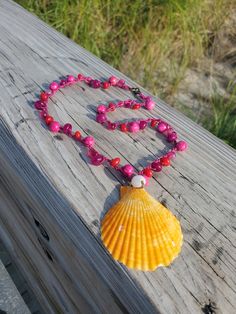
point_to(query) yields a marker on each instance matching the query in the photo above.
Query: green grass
(222, 121)
(152, 41)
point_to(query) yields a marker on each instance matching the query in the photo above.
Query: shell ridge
(111, 226)
(122, 234)
(127, 244)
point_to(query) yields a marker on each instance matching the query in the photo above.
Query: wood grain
(52, 199)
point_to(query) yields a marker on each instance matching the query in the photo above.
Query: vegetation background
(182, 50)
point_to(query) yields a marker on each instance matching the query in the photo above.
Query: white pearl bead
(138, 181)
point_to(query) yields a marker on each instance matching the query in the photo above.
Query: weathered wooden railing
(52, 199)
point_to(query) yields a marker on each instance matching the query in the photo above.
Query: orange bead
(165, 161)
(148, 172)
(115, 162)
(136, 106)
(153, 123)
(77, 135)
(48, 119)
(123, 127)
(44, 96)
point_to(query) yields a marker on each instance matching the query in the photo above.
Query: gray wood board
(199, 187)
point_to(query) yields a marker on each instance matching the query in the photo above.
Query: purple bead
(181, 146)
(161, 127)
(156, 166)
(40, 105)
(95, 84)
(112, 126)
(101, 118)
(97, 160)
(62, 83)
(128, 170)
(142, 125)
(172, 137)
(67, 128)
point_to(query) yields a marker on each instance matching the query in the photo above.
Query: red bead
(148, 172)
(48, 119)
(153, 123)
(44, 96)
(77, 135)
(115, 162)
(105, 85)
(123, 127)
(165, 161)
(111, 106)
(136, 106)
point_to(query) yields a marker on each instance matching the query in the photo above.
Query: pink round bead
(101, 118)
(113, 80)
(149, 104)
(89, 141)
(162, 127)
(156, 166)
(101, 109)
(172, 137)
(128, 170)
(134, 127)
(171, 155)
(181, 146)
(70, 78)
(54, 126)
(54, 86)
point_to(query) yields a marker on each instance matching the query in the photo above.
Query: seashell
(140, 232)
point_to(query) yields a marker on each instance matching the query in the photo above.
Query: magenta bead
(113, 80)
(70, 78)
(54, 126)
(54, 86)
(162, 127)
(80, 77)
(95, 83)
(67, 128)
(142, 125)
(62, 83)
(128, 170)
(134, 127)
(101, 118)
(181, 146)
(101, 109)
(171, 155)
(89, 141)
(149, 104)
(156, 166)
(40, 105)
(172, 137)
(97, 160)
(112, 126)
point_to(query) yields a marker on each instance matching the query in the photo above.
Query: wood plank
(49, 180)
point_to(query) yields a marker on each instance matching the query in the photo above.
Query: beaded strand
(134, 126)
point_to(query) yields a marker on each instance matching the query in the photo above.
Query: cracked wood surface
(52, 199)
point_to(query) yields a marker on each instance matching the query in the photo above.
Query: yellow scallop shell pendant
(140, 232)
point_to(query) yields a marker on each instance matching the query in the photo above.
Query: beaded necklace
(138, 231)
